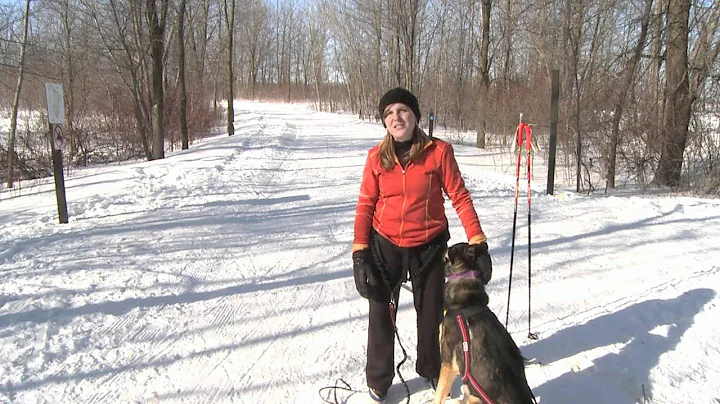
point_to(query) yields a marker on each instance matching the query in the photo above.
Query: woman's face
(400, 121)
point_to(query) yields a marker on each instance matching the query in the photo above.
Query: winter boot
(376, 396)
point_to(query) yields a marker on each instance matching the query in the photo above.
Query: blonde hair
(387, 148)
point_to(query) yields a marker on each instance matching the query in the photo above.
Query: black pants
(428, 280)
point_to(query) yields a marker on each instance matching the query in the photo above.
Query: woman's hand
(361, 270)
(479, 255)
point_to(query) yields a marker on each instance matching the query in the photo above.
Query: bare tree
(409, 19)
(119, 27)
(508, 33)
(66, 17)
(625, 87)
(318, 42)
(483, 72)
(181, 74)
(476, 63)
(684, 81)
(255, 31)
(229, 13)
(656, 60)
(705, 50)
(200, 33)
(678, 99)
(284, 32)
(157, 19)
(16, 99)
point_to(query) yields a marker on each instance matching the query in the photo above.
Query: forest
(639, 80)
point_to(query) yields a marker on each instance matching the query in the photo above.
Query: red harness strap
(467, 377)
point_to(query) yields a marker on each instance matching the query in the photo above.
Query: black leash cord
(335, 388)
(392, 308)
(427, 259)
(393, 311)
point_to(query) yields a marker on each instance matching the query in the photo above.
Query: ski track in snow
(222, 274)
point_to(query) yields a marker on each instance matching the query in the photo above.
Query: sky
(222, 274)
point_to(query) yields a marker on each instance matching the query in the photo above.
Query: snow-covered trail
(222, 274)
(217, 287)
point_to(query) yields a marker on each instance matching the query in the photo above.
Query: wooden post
(56, 118)
(57, 142)
(554, 107)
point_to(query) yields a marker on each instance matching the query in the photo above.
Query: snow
(222, 274)
(4, 127)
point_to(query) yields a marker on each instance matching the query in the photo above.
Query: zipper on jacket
(402, 212)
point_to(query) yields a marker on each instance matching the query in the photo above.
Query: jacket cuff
(479, 239)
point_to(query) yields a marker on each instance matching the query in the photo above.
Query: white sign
(55, 103)
(58, 138)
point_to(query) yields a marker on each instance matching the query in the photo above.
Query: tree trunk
(705, 51)
(141, 120)
(398, 63)
(625, 87)
(230, 29)
(572, 35)
(379, 71)
(507, 37)
(678, 100)
(16, 99)
(408, 15)
(657, 62)
(484, 75)
(69, 85)
(181, 73)
(157, 38)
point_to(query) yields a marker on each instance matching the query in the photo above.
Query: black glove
(361, 271)
(480, 257)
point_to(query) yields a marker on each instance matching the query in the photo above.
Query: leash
(427, 258)
(392, 305)
(392, 308)
(335, 388)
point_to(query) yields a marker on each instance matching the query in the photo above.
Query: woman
(401, 231)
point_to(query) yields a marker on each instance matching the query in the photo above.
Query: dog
(495, 361)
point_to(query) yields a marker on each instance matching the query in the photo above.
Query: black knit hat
(402, 96)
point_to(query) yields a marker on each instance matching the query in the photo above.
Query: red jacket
(406, 206)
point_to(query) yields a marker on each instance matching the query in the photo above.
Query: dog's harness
(467, 377)
(461, 316)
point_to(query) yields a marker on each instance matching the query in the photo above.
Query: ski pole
(528, 146)
(518, 144)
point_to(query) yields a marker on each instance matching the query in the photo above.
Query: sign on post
(55, 103)
(58, 138)
(56, 118)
